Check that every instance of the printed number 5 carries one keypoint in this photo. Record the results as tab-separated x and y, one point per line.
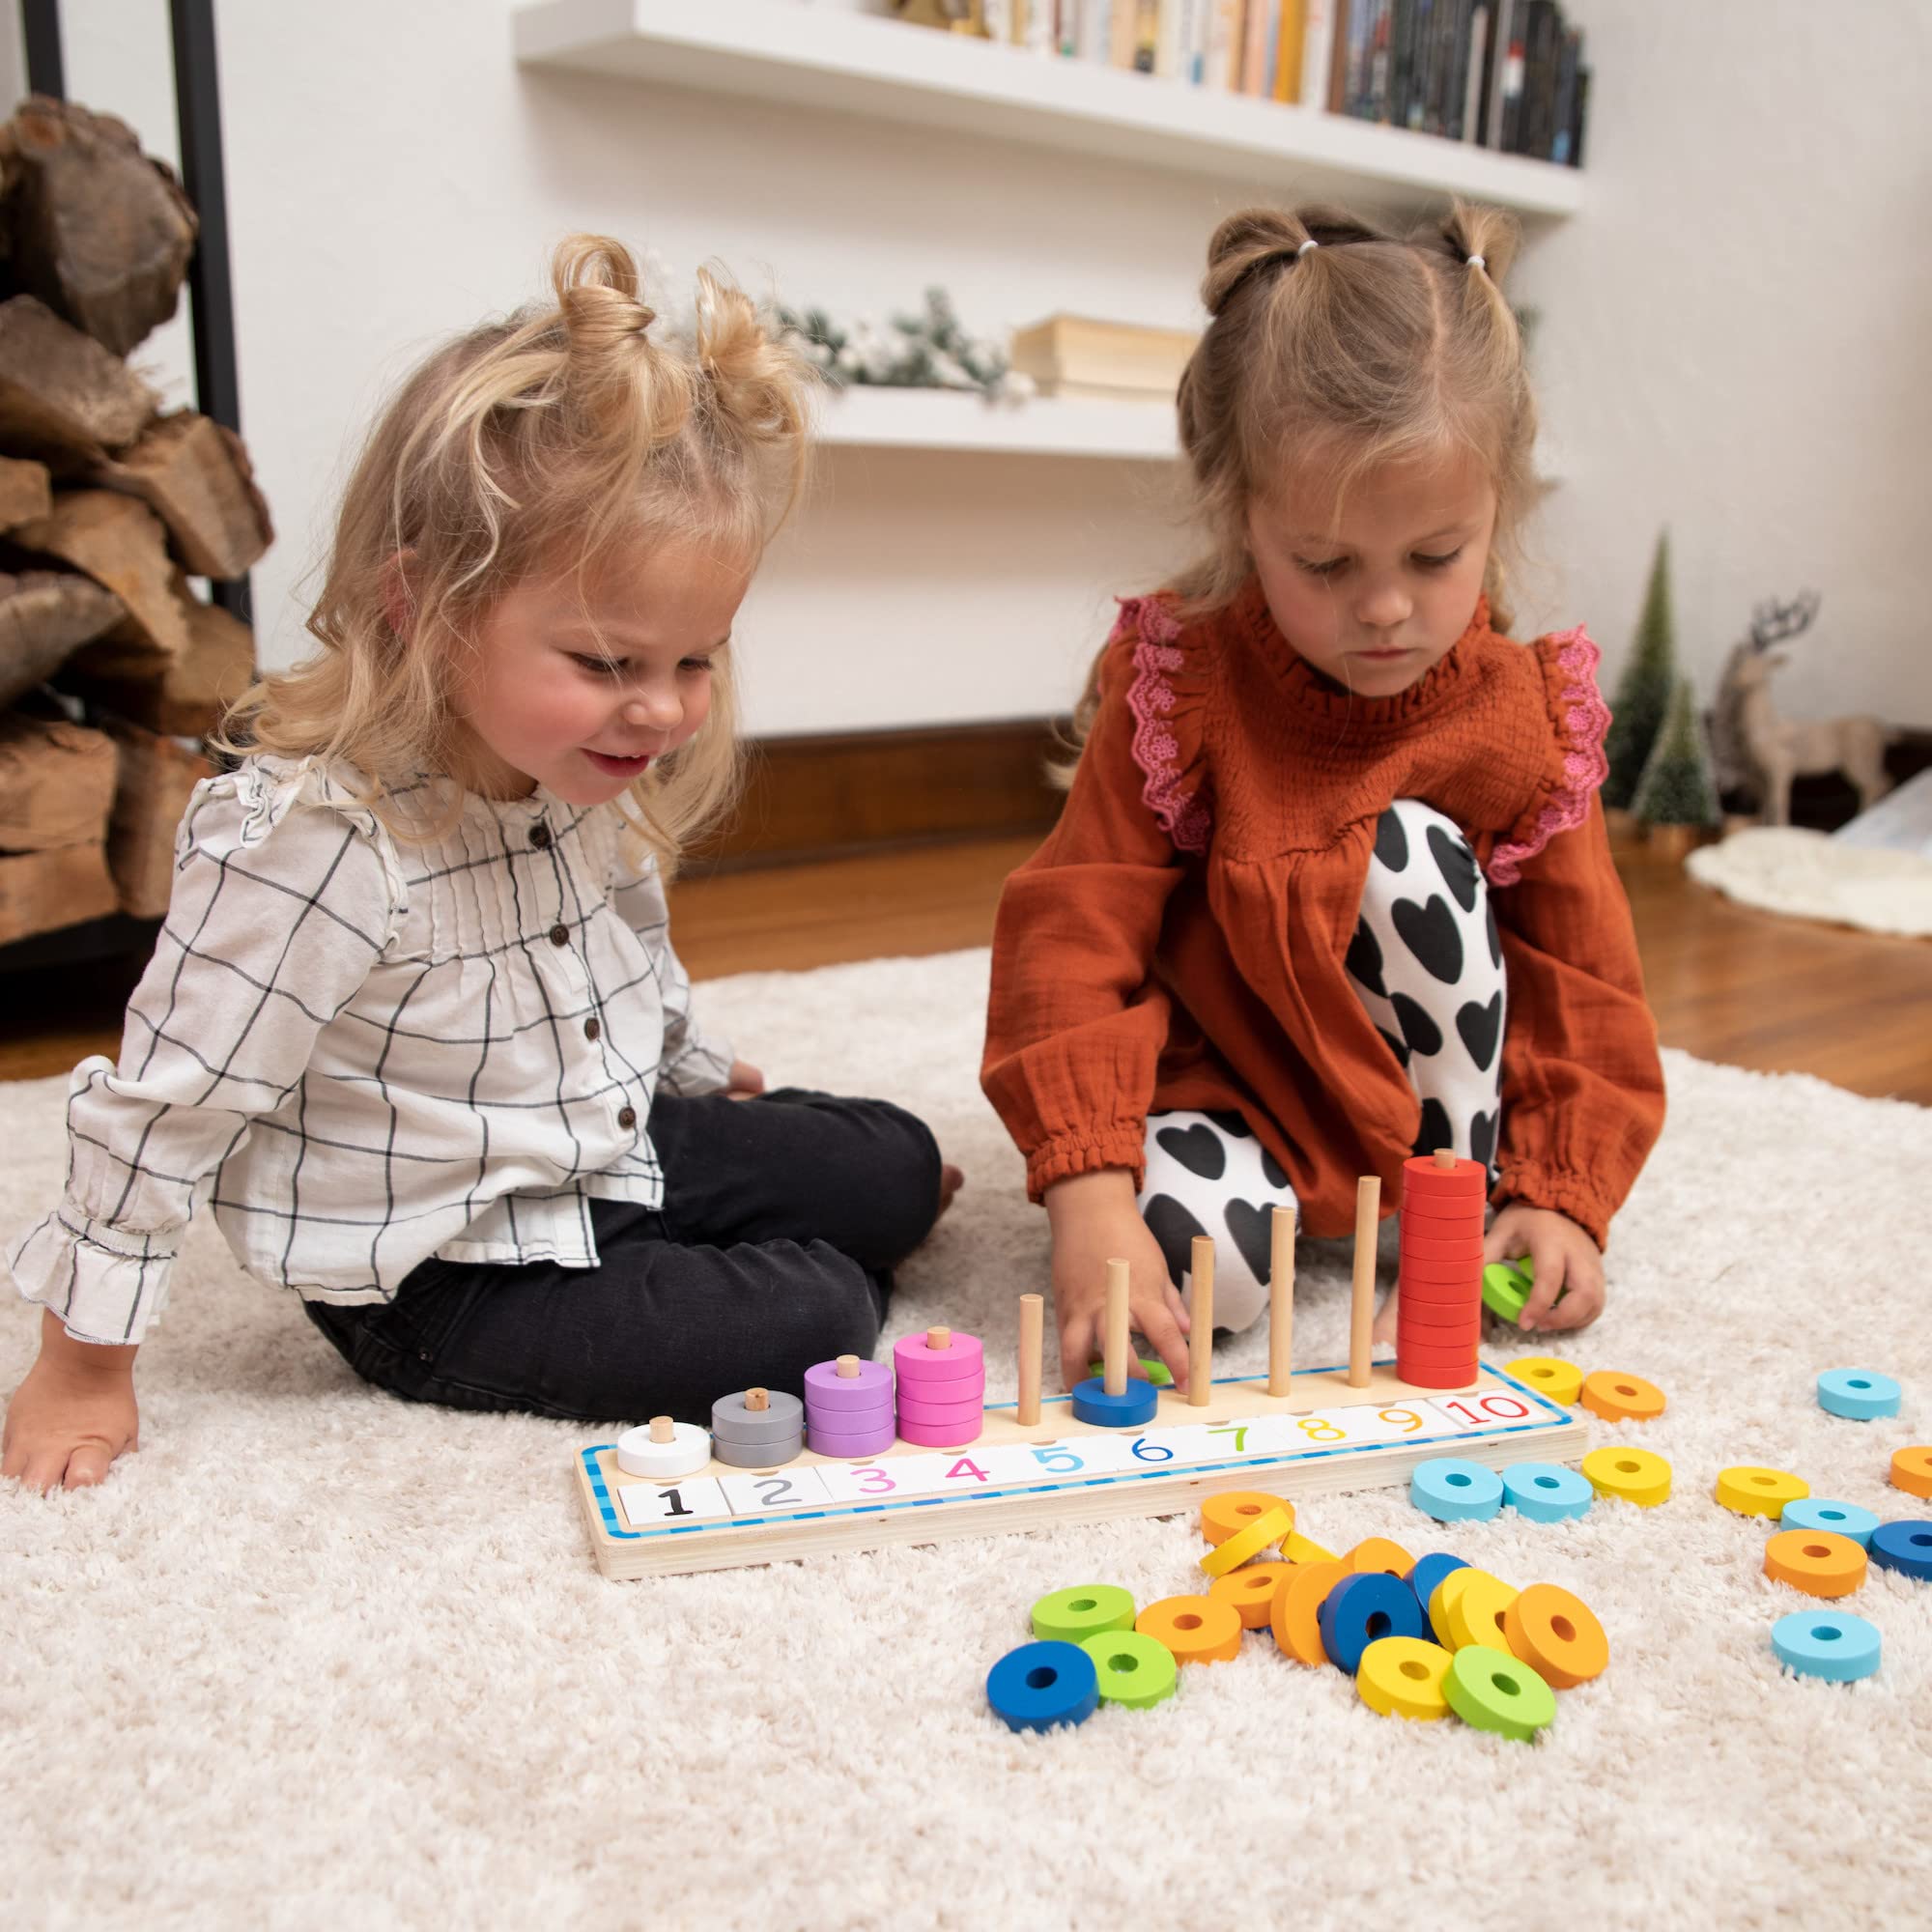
1062	1462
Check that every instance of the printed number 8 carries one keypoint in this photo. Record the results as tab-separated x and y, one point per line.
1319	1429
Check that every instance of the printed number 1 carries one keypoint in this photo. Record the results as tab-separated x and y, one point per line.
674	1504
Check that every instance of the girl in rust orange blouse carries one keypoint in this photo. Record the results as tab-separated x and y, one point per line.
1332	883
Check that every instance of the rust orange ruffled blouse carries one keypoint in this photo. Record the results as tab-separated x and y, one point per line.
1178	941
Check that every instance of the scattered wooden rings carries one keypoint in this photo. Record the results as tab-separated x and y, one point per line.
1224	1513
1250	1592
1087	1609
1618	1397
1362	1608
1557	1636
1912	1469
1267	1530
1429	1571
1473	1603
1454	1491
1492	1691
1905	1545
1295	1617
1197	1630
1815	1561
1042	1685
663	1450
1132	1670
1547	1492
1859	1395
1754	1492
1824	1512
1632	1475
1561	1382
1823	1643
1403	1677
1377	1553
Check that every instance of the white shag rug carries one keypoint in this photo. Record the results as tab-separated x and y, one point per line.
1811	875
315	1657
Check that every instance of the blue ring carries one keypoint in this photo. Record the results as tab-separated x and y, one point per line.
1824	1512
1547	1492
1042	1685
1849	1652
1352	1611
1132	1409
1454	1490
1859	1395
1904	1545
1426	1571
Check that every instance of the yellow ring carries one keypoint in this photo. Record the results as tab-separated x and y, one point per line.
1754	1492
1634	1475
1247	1543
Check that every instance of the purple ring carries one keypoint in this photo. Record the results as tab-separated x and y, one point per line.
827	1390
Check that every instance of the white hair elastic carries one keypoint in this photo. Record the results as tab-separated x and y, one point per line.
1310	242
1475	262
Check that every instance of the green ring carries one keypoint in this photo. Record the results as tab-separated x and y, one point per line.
1492	1691
1152	1366
1133	1668
1087	1609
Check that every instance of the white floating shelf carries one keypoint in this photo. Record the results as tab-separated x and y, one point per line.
861	64
883	418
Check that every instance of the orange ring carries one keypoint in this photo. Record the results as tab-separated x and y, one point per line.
1377	1553
1620	1397
1251	1592
1297	1605
1556	1634
1912	1469
1197	1630
1817	1561
1222	1515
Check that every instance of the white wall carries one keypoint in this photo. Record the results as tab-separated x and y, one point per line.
1732	335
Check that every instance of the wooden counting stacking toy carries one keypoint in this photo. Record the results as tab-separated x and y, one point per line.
664	1449
1403	1677
1912	1469
1859	1395
1492	1691
789	1479
1905	1547
1633	1475
1557	1636
1618	1397
1755	1491
1828	1644
1560	1381
1815	1561
757	1428
1823	1512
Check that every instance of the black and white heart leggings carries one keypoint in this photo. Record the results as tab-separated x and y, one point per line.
1427	963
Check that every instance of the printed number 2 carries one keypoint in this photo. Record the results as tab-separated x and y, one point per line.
776	1490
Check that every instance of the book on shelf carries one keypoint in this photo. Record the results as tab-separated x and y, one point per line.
1078	355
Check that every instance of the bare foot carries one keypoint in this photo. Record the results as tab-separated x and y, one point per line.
951	1181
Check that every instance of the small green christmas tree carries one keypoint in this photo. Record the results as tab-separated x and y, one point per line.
1643	691
1678	787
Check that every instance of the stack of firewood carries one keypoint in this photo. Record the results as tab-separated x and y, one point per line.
112	670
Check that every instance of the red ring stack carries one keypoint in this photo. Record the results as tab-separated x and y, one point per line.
1440	1305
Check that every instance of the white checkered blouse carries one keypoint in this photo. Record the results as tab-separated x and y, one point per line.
366	1051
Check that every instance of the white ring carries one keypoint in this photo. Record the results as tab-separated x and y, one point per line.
687	1452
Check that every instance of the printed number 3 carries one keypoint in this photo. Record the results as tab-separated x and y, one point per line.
874	1481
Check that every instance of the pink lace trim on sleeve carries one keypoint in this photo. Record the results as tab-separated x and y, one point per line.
1150	698
1586	718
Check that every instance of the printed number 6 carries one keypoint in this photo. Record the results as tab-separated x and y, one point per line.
1151	1451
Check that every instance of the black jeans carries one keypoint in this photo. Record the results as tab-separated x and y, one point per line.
783	1218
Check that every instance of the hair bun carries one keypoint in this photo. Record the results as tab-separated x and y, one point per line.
596	283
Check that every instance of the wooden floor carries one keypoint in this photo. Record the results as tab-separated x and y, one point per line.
1726	982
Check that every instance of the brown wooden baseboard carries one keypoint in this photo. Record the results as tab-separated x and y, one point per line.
849	793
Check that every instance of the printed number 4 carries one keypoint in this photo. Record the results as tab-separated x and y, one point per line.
970	1468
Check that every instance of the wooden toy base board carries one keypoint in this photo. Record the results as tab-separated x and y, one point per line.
1322	1435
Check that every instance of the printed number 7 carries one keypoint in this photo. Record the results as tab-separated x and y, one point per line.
1238	1433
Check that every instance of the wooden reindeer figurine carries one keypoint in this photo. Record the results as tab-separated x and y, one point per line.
1755	747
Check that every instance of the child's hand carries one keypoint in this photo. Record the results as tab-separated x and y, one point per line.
746	1081
1095	1221
1565	1258
72	1413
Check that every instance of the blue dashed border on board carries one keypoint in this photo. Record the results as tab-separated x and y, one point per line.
608	1511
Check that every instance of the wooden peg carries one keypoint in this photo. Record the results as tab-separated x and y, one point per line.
1114	1337
663	1429
1201	1335
1362	1305
1033	1327
756	1399
1445	1156
939	1340
848	1367
1281	1300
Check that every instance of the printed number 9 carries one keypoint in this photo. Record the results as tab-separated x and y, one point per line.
1407	1417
